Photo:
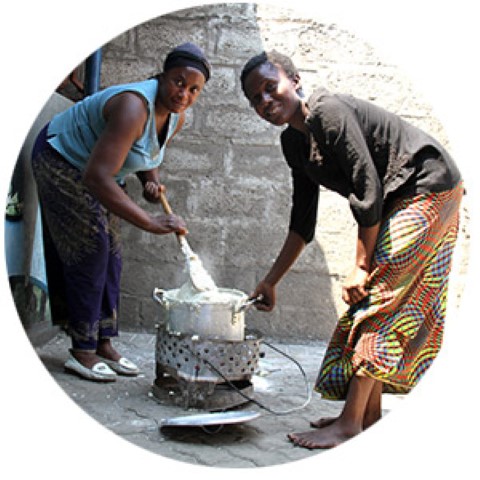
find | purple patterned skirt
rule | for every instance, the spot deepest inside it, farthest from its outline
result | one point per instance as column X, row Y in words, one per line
column 85, row 237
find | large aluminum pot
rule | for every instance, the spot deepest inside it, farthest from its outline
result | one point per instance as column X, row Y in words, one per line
column 221, row 317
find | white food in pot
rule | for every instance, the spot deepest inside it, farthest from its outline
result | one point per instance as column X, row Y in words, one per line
column 187, row 293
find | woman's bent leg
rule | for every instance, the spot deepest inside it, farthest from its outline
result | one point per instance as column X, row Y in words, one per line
column 373, row 411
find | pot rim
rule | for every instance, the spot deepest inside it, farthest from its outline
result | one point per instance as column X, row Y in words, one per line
column 237, row 296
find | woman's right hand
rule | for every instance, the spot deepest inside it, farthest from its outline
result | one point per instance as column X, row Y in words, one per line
column 163, row 224
column 268, row 296
column 152, row 190
column 292, row 247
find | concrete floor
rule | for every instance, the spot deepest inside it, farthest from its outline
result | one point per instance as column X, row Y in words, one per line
column 128, row 408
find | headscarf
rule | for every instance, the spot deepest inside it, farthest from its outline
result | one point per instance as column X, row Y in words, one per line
column 188, row 55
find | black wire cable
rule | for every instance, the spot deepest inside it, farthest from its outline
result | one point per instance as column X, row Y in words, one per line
column 246, row 397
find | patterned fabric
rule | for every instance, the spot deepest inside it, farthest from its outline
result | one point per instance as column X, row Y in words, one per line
column 395, row 333
column 74, row 216
column 85, row 239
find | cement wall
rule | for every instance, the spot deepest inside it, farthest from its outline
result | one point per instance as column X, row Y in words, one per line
column 224, row 171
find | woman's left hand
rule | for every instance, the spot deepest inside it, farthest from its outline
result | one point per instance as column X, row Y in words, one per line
column 151, row 191
column 355, row 286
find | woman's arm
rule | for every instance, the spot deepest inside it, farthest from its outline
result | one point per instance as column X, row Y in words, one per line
column 303, row 218
column 125, row 119
column 344, row 133
column 355, row 286
column 293, row 246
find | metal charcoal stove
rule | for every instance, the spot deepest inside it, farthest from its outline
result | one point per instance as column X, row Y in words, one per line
column 210, row 374
column 204, row 357
column 211, row 370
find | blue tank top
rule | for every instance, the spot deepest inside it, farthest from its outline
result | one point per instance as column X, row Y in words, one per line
column 73, row 133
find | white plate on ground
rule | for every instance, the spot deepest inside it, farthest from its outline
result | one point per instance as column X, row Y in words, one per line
column 210, row 419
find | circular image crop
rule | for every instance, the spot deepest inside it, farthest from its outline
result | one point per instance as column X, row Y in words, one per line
column 231, row 236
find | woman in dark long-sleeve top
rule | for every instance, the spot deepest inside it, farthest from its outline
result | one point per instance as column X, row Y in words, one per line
column 404, row 191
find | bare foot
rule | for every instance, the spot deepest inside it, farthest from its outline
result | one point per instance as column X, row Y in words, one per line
column 369, row 420
column 326, row 437
column 322, row 422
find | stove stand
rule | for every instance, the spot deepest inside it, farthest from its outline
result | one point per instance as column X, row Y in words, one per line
column 194, row 372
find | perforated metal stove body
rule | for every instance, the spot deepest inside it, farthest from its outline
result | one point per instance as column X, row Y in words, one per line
column 204, row 373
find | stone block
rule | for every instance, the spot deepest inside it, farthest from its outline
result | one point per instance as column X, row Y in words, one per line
column 233, row 122
column 225, row 174
column 222, row 86
column 189, row 157
column 260, row 162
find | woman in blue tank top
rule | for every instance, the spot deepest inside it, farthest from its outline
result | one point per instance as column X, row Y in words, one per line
column 79, row 162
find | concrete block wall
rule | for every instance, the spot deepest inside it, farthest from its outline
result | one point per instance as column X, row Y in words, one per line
column 224, row 171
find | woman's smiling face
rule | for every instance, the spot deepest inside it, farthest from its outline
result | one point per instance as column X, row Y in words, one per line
column 272, row 93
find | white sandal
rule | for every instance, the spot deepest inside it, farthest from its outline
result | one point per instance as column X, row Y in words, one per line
column 123, row 366
column 100, row 372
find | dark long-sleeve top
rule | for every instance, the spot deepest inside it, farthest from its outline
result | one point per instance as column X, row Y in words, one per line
column 364, row 153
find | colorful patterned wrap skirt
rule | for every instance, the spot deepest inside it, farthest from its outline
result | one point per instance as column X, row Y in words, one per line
column 395, row 333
